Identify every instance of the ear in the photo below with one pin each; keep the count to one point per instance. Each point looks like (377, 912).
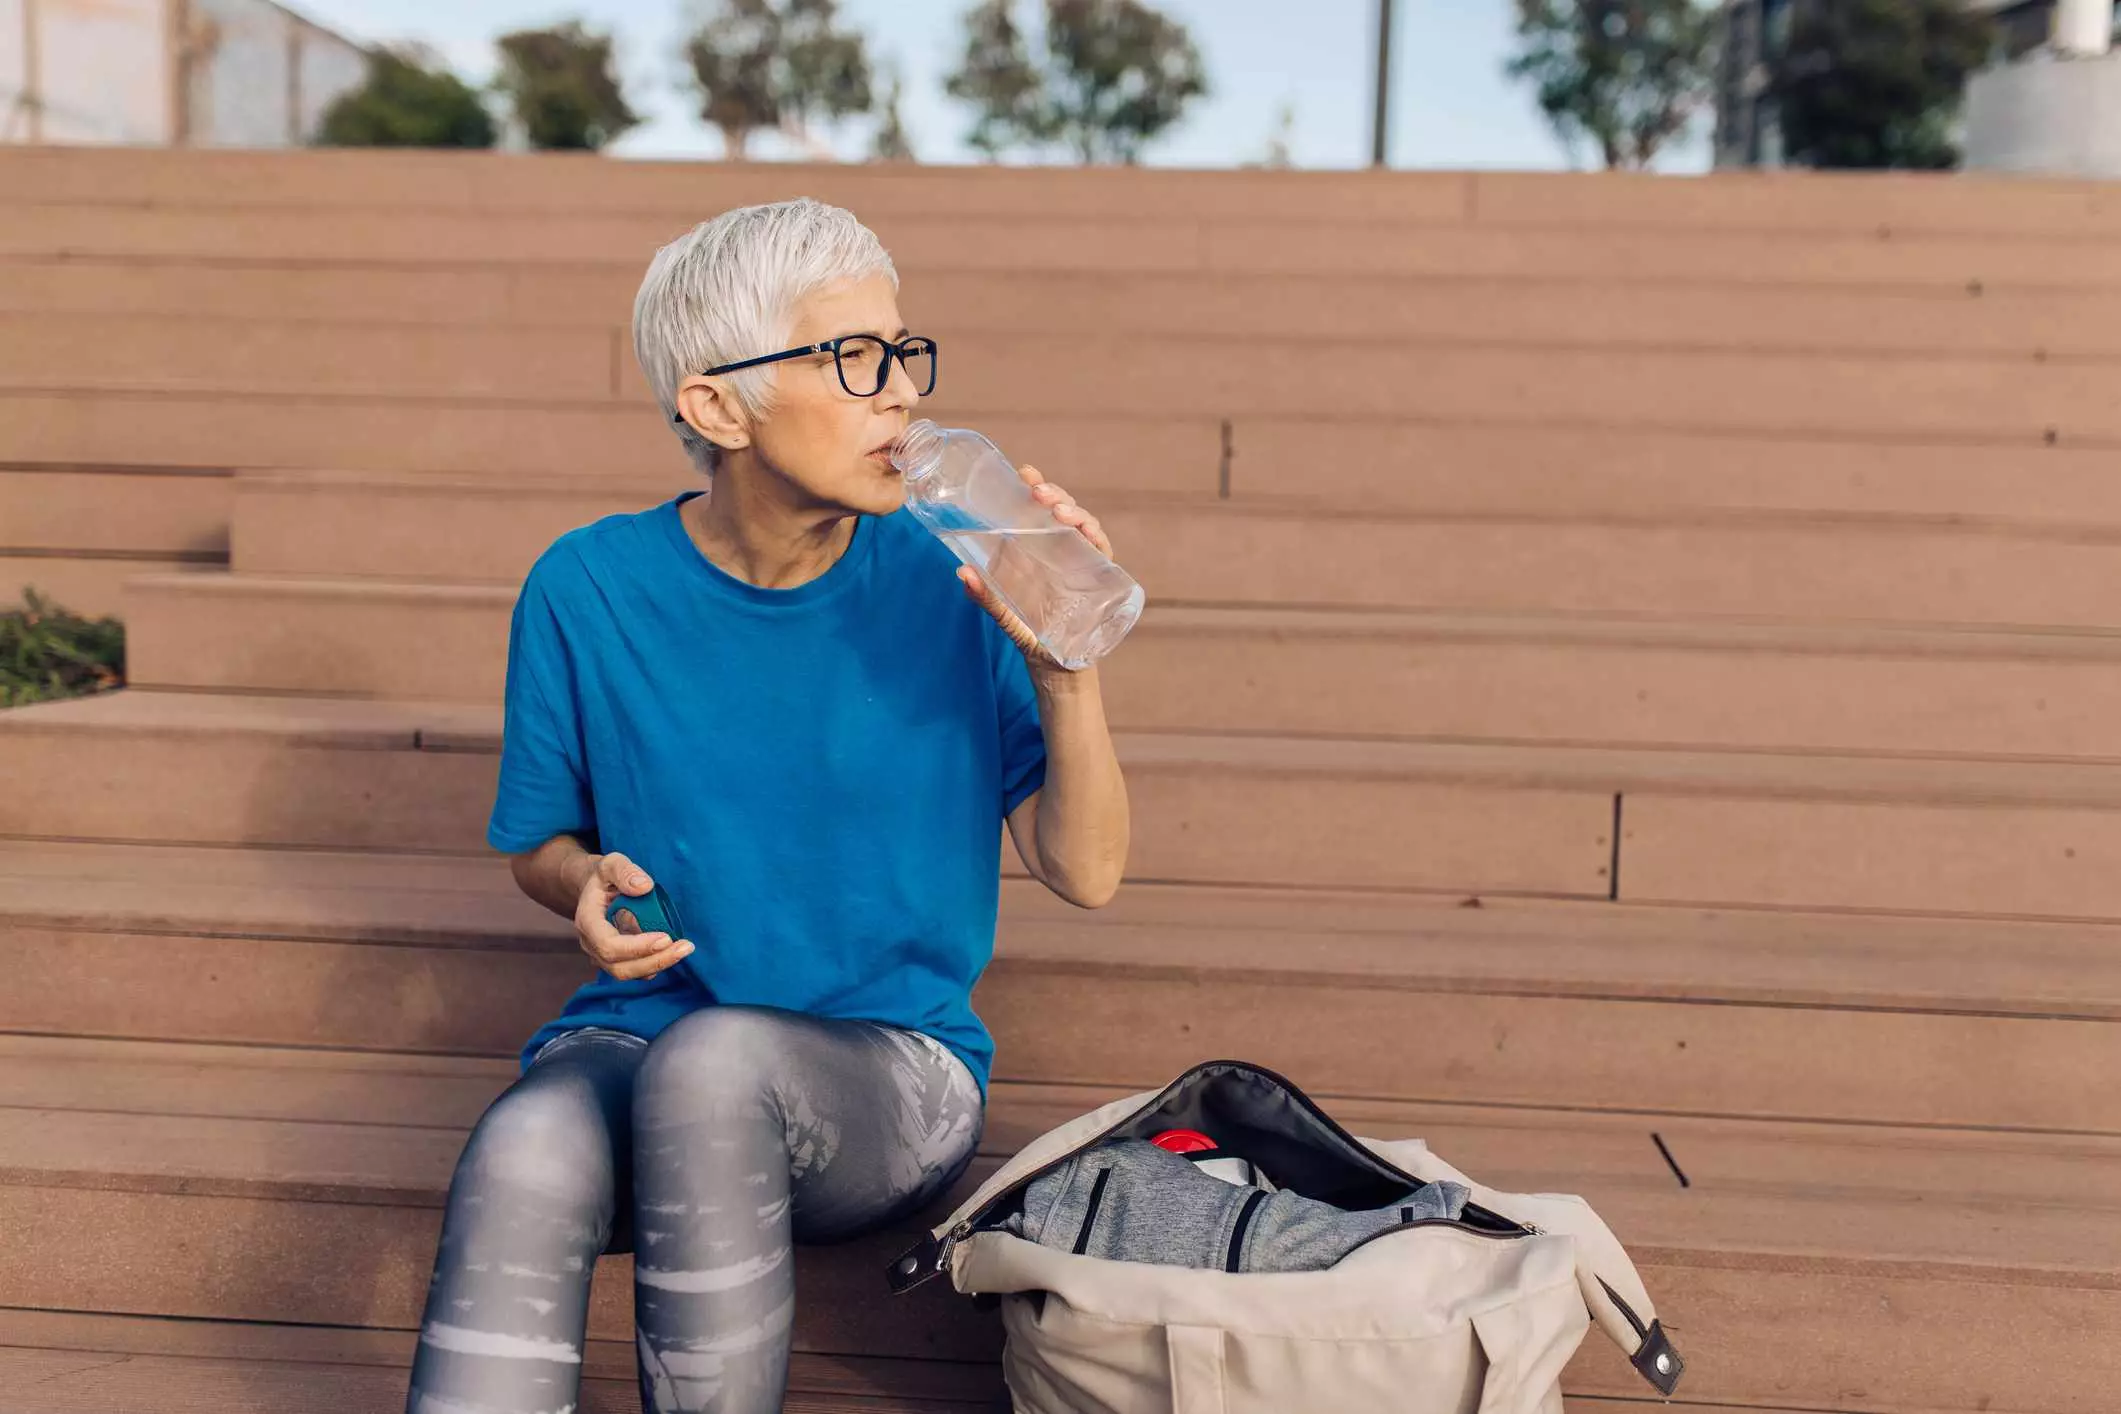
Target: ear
(706, 403)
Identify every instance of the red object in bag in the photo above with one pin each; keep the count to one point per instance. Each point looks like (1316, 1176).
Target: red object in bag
(1184, 1141)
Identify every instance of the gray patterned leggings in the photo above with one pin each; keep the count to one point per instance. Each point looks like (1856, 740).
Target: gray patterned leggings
(737, 1132)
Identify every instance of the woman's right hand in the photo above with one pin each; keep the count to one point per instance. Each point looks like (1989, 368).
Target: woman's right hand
(623, 949)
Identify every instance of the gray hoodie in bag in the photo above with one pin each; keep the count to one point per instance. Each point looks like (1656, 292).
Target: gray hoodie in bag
(1129, 1201)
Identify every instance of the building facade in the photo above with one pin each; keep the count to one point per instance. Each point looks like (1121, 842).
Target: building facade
(207, 73)
(2040, 108)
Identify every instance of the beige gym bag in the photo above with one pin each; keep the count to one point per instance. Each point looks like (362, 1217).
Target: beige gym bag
(1476, 1315)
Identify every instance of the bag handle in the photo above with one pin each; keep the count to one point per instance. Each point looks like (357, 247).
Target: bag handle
(1612, 1289)
(1196, 1369)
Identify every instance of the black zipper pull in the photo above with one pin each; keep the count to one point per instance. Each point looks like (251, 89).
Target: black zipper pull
(926, 1262)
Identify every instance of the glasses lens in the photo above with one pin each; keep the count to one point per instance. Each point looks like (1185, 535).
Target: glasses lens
(918, 356)
(861, 363)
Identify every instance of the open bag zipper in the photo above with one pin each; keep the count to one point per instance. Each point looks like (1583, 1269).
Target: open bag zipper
(932, 1258)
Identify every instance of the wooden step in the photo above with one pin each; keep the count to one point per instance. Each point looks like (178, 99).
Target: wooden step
(1436, 468)
(82, 1363)
(922, 241)
(1459, 676)
(585, 441)
(1848, 571)
(500, 186)
(521, 187)
(1738, 1014)
(1611, 473)
(1441, 471)
(1784, 1234)
(91, 584)
(206, 768)
(2030, 839)
(116, 510)
(1167, 375)
(161, 353)
(1928, 321)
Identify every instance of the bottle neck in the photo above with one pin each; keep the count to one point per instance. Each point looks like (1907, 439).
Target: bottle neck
(918, 451)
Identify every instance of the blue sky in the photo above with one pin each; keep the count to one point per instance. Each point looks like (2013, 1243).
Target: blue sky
(1451, 105)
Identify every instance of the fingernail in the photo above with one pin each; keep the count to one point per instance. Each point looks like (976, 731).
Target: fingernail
(638, 880)
(684, 950)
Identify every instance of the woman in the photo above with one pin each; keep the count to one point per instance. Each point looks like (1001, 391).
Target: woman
(770, 699)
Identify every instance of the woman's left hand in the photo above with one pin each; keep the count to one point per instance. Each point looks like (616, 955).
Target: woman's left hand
(1067, 513)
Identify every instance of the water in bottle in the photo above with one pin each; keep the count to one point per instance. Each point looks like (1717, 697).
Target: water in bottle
(1073, 598)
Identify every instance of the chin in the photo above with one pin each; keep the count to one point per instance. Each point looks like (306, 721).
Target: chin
(882, 496)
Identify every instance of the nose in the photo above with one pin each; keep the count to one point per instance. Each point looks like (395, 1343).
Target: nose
(899, 391)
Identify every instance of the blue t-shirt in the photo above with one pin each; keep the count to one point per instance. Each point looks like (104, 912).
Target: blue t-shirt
(818, 776)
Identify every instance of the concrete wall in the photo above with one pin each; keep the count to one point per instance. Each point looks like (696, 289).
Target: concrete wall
(260, 76)
(270, 77)
(2048, 115)
(104, 70)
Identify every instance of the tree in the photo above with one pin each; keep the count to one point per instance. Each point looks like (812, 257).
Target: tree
(1114, 74)
(560, 84)
(999, 80)
(1625, 74)
(409, 100)
(778, 64)
(1876, 83)
(892, 142)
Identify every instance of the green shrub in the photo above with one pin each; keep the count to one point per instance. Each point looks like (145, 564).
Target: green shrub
(47, 653)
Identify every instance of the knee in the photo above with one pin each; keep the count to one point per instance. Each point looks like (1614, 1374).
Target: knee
(720, 1060)
(543, 1143)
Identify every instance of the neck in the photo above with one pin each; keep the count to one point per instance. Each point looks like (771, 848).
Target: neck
(749, 527)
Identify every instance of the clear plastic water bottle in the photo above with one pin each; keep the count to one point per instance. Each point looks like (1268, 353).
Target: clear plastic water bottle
(1073, 598)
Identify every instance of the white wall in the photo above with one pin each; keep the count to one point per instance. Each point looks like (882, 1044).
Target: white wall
(2058, 116)
(103, 65)
(262, 78)
(270, 77)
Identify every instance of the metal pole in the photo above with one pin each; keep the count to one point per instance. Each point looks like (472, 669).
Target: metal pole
(1380, 129)
(32, 72)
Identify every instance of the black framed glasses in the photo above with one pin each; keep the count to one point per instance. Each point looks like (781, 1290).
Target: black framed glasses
(863, 362)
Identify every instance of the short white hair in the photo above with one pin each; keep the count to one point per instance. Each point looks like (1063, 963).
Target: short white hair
(727, 290)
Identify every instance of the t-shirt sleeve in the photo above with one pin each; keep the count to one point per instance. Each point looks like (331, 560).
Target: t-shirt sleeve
(544, 784)
(1023, 736)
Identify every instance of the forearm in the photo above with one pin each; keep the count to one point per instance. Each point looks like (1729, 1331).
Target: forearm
(1082, 817)
(555, 873)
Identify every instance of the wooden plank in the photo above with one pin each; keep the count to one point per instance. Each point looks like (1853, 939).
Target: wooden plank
(2048, 863)
(626, 443)
(128, 510)
(209, 978)
(1662, 256)
(285, 771)
(1900, 204)
(1170, 376)
(1769, 1062)
(111, 906)
(500, 188)
(173, 1348)
(1462, 677)
(1854, 1220)
(1468, 470)
(181, 353)
(266, 1343)
(88, 584)
(919, 241)
(1825, 573)
(239, 770)
(360, 1264)
(947, 304)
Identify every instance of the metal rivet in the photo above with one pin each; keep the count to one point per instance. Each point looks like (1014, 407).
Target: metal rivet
(907, 1266)
(1664, 1364)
